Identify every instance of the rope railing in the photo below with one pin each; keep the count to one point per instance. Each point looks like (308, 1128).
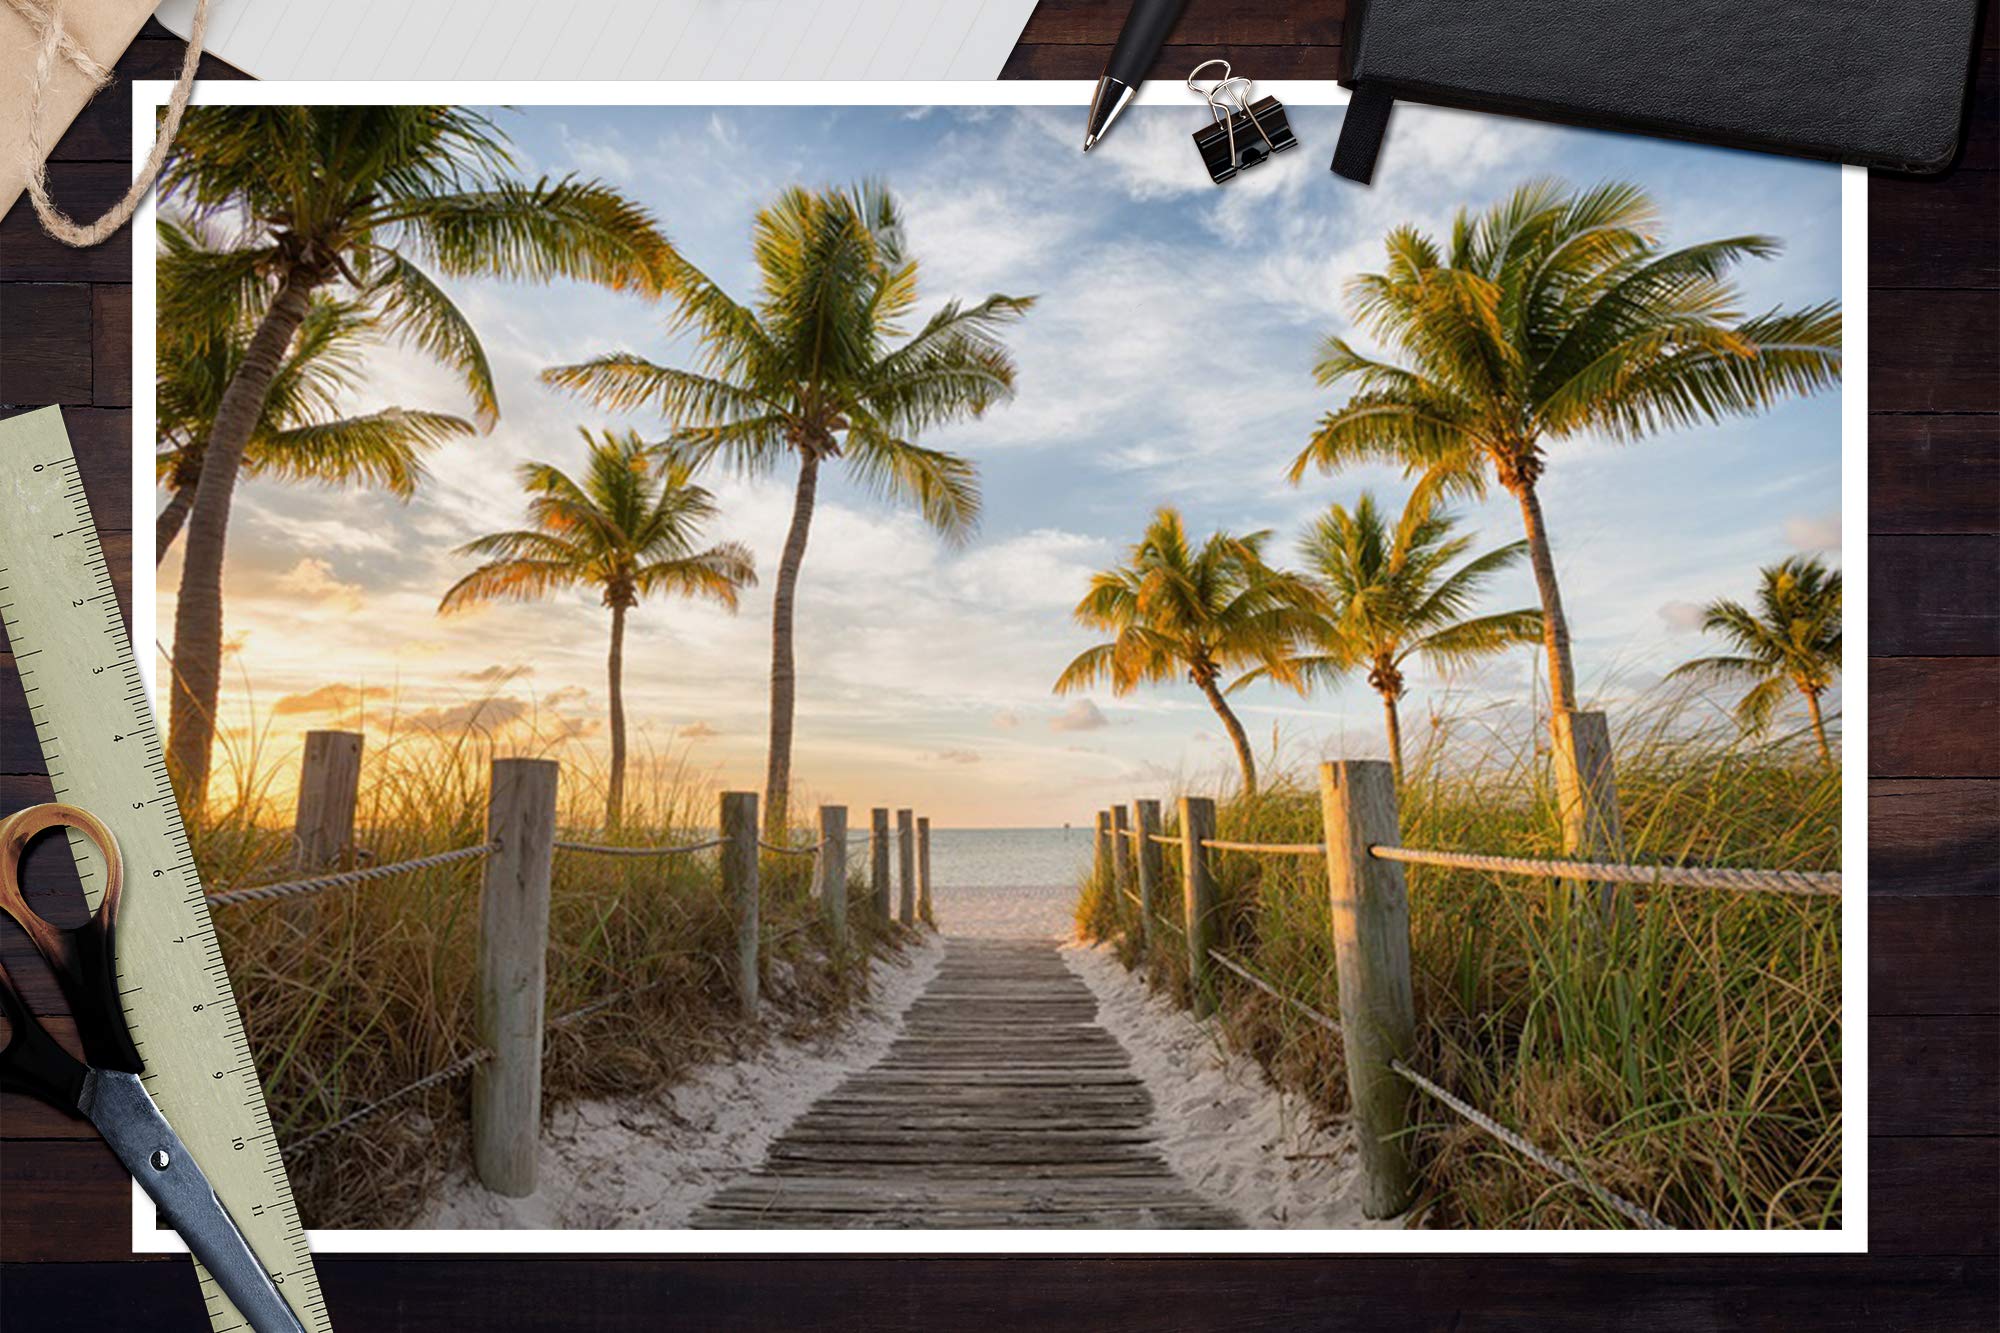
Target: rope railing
(1798, 882)
(1623, 1207)
(293, 888)
(463, 1064)
(785, 849)
(609, 849)
(1267, 848)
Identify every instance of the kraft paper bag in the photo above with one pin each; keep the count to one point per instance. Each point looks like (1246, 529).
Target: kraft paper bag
(102, 28)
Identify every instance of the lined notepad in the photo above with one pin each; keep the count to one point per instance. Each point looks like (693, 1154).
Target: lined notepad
(610, 39)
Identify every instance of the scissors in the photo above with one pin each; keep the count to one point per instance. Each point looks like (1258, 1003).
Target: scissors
(104, 1086)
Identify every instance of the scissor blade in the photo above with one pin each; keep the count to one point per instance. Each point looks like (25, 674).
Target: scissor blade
(124, 1113)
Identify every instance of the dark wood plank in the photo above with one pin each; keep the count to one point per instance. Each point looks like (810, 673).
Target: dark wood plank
(1933, 836)
(1934, 1195)
(111, 347)
(1380, 1294)
(1933, 474)
(1934, 596)
(1932, 956)
(1935, 233)
(1933, 717)
(1935, 1074)
(1933, 351)
(45, 343)
(83, 190)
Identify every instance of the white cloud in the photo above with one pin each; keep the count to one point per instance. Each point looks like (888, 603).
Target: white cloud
(1083, 715)
(1681, 617)
(1813, 533)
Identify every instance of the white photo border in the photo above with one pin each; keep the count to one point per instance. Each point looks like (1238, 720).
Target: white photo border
(1852, 1237)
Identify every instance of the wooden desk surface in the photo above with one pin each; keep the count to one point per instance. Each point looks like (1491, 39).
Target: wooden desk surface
(1934, 903)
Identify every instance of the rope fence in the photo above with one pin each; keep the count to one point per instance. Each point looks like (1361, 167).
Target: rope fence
(464, 1064)
(293, 888)
(608, 849)
(510, 1021)
(1623, 1207)
(782, 849)
(1370, 932)
(1801, 883)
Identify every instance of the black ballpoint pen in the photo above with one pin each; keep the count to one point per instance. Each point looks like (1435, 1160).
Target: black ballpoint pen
(1139, 43)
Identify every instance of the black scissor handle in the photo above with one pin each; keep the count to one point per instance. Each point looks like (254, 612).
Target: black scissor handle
(81, 958)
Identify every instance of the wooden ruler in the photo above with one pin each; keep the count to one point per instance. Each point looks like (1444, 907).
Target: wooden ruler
(103, 753)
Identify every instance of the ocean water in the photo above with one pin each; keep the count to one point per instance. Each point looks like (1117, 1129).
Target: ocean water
(1051, 858)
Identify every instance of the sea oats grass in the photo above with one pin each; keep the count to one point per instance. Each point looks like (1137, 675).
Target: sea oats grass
(1689, 1061)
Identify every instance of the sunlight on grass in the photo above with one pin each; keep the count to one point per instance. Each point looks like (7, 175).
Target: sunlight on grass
(1691, 1062)
(355, 992)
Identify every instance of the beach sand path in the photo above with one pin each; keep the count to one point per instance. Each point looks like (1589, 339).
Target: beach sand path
(1003, 1103)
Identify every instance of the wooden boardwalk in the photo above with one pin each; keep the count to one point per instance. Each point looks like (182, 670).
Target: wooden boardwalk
(1002, 1104)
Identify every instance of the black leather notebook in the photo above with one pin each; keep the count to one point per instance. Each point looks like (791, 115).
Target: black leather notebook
(1880, 83)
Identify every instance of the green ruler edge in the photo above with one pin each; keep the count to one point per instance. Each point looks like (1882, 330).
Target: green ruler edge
(103, 753)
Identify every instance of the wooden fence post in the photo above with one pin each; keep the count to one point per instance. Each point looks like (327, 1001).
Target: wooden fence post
(924, 870)
(1587, 796)
(513, 953)
(878, 860)
(1121, 860)
(831, 865)
(906, 865)
(1152, 864)
(739, 886)
(329, 786)
(1100, 859)
(1198, 898)
(1371, 941)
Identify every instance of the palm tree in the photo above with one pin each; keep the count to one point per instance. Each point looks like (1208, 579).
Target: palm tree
(302, 435)
(1176, 609)
(370, 201)
(1392, 595)
(1552, 315)
(1791, 641)
(628, 528)
(822, 366)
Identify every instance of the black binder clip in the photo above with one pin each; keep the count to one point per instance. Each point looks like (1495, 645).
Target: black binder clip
(1238, 139)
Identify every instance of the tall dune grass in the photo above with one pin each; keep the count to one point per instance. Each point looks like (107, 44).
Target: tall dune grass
(355, 992)
(1690, 1062)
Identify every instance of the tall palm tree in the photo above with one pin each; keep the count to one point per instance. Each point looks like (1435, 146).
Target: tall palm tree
(1176, 609)
(369, 201)
(1552, 315)
(1392, 594)
(302, 435)
(629, 527)
(1790, 641)
(823, 366)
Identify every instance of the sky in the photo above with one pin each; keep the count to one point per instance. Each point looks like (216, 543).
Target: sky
(1167, 362)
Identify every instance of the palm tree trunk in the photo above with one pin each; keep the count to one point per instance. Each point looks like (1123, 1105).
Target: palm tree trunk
(784, 671)
(1395, 730)
(170, 522)
(197, 664)
(614, 797)
(1236, 737)
(1555, 626)
(1819, 727)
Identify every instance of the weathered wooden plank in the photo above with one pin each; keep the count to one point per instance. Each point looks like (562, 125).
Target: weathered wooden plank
(1002, 1104)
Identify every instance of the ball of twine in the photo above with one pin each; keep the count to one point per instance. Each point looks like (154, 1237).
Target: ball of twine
(57, 47)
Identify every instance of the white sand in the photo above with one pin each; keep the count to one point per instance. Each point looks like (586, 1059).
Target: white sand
(1222, 1125)
(651, 1164)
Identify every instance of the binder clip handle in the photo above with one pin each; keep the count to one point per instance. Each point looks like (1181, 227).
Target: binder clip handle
(1239, 137)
